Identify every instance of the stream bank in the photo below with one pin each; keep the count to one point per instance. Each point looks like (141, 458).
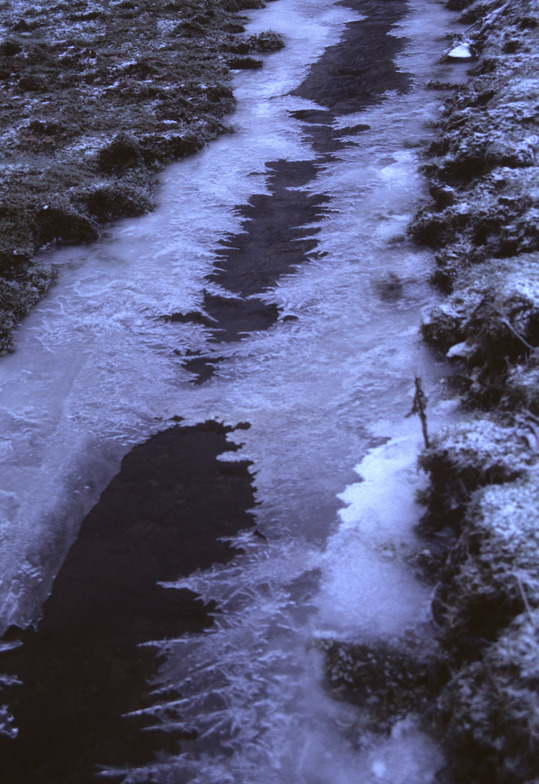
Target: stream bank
(478, 689)
(484, 171)
(96, 98)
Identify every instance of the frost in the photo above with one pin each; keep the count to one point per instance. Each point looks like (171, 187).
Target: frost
(491, 707)
(509, 536)
(481, 445)
(484, 491)
(490, 324)
(491, 575)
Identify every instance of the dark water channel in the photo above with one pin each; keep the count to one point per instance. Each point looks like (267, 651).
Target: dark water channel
(277, 234)
(163, 515)
(160, 517)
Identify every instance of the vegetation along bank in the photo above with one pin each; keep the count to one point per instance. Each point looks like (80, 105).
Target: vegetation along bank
(95, 98)
(477, 687)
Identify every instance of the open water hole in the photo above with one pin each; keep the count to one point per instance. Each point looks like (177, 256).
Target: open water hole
(317, 355)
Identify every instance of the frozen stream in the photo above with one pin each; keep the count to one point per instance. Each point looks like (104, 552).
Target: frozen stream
(97, 369)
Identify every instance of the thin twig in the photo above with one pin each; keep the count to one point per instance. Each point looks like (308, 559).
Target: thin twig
(516, 334)
(524, 598)
(419, 407)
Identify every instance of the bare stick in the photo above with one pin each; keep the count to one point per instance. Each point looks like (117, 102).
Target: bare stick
(419, 407)
(524, 598)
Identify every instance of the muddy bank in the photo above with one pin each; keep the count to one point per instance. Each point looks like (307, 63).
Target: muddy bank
(96, 98)
(477, 688)
(81, 670)
(483, 224)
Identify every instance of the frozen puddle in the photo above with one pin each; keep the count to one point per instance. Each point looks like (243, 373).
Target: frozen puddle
(380, 598)
(98, 369)
(249, 690)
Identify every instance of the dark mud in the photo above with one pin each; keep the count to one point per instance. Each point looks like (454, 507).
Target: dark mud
(160, 518)
(276, 238)
(356, 72)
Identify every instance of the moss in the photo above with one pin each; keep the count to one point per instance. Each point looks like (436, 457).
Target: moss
(493, 314)
(244, 63)
(463, 458)
(486, 603)
(488, 711)
(108, 201)
(483, 494)
(491, 575)
(59, 223)
(10, 47)
(385, 681)
(265, 42)
(122, 153)
(522, 386)
(19, 292)
(487, 151)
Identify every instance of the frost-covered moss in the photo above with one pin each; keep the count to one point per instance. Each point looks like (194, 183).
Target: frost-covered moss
(522, 386)
(485, 489)
(386, 681)
(18, 294)
(483, 498)
(488, 146)
(489, 711)
(462, 458)
(491, 325)
(492, 574)
(500, 518)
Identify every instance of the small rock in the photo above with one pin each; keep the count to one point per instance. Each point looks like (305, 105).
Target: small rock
(443, 195)
(459, 351)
